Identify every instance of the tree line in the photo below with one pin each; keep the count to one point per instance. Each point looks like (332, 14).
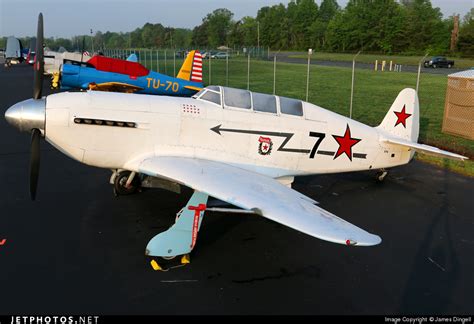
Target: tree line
(379, 26)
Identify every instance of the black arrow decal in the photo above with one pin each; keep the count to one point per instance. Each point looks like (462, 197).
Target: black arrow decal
(282, 148)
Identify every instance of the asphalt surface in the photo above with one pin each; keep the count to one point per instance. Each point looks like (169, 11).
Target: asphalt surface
(78, 249)
(285, 57)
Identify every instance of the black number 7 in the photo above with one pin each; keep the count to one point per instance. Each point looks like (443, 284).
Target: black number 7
(320, 137)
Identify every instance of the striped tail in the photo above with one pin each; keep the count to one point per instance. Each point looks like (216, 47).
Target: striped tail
(191, 70)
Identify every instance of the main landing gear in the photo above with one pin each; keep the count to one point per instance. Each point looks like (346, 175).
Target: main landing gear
(125, 183)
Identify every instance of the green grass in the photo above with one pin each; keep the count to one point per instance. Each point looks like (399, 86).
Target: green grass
(462, 63)
(330, 87)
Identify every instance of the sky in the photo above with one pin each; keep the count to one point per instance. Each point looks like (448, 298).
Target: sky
(66, 18)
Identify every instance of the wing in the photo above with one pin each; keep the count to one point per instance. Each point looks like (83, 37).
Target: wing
(430, 150)
(264, 195)
(114, 87)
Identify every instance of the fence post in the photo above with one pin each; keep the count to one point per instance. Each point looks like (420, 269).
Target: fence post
(352, 86)
(174, 62)
(376, 65)
(419, 72)
(158, 61)
(227, 69)
(274, 73)
(151, 59)
(165, 64)
(248, 72)
(310, 51)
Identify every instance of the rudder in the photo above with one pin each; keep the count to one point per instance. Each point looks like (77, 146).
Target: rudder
(191, 70)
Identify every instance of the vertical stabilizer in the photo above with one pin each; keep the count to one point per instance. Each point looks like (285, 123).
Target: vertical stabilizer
(191, 70)
(403, 118)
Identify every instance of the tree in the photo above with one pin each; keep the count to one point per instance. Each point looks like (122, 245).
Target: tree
(219, 23)
(274, 27)
(244, 32)
(424, 28)
(327, 10)
(368, 25)
(466, 35)
(199, 35)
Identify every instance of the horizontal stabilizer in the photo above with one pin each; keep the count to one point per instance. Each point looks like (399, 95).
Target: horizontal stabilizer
(193, 88)
(422, 148)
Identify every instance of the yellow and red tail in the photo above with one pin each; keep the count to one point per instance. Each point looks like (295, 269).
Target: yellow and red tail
(191, 70)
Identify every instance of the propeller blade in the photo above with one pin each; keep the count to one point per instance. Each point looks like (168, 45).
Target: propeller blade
(34, 161)
(39, 60)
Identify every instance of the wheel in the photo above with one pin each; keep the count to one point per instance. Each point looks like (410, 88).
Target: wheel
(121, 181)
(380, 176)
(434, 66)
(449, 66)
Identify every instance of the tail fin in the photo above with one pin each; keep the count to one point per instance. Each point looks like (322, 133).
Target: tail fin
(192, 68)
(401, 126)
(132, 58)
(403, 118)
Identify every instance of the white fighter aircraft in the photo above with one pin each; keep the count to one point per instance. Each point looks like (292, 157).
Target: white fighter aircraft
(241, 147)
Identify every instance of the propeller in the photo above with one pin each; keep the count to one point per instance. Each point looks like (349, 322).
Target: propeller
(37, 94)
(39, 60)
(34, 161)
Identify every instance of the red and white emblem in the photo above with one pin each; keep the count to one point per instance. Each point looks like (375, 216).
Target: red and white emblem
(265, 146)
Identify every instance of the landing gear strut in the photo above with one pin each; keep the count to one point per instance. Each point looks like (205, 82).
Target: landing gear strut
(381, 174)
(126, 183)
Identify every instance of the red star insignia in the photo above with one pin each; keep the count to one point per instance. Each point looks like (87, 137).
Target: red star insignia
(401, 117)
(346, 143)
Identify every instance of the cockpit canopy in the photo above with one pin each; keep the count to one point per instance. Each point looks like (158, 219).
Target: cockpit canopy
(232, 98)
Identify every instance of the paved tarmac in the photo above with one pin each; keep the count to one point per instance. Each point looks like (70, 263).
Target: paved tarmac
(285, 57)
(78, 249)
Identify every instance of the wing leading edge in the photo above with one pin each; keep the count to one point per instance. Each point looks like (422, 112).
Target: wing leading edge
(114, 87)
(259, 193)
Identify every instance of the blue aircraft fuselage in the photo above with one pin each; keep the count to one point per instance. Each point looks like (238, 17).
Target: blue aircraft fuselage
(80, 76)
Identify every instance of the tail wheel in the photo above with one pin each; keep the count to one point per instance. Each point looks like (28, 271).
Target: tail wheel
(120, 183)
(380, 176)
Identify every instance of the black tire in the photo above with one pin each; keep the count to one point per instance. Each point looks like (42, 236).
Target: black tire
(121, 180)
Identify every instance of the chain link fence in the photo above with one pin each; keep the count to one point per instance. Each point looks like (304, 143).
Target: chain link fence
(329, 84)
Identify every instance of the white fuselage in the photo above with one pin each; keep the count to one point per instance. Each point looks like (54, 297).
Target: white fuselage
(170, 126)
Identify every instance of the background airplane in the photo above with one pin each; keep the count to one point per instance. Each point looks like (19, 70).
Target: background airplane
(111, 74)
(13, 52)
(54, 60)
